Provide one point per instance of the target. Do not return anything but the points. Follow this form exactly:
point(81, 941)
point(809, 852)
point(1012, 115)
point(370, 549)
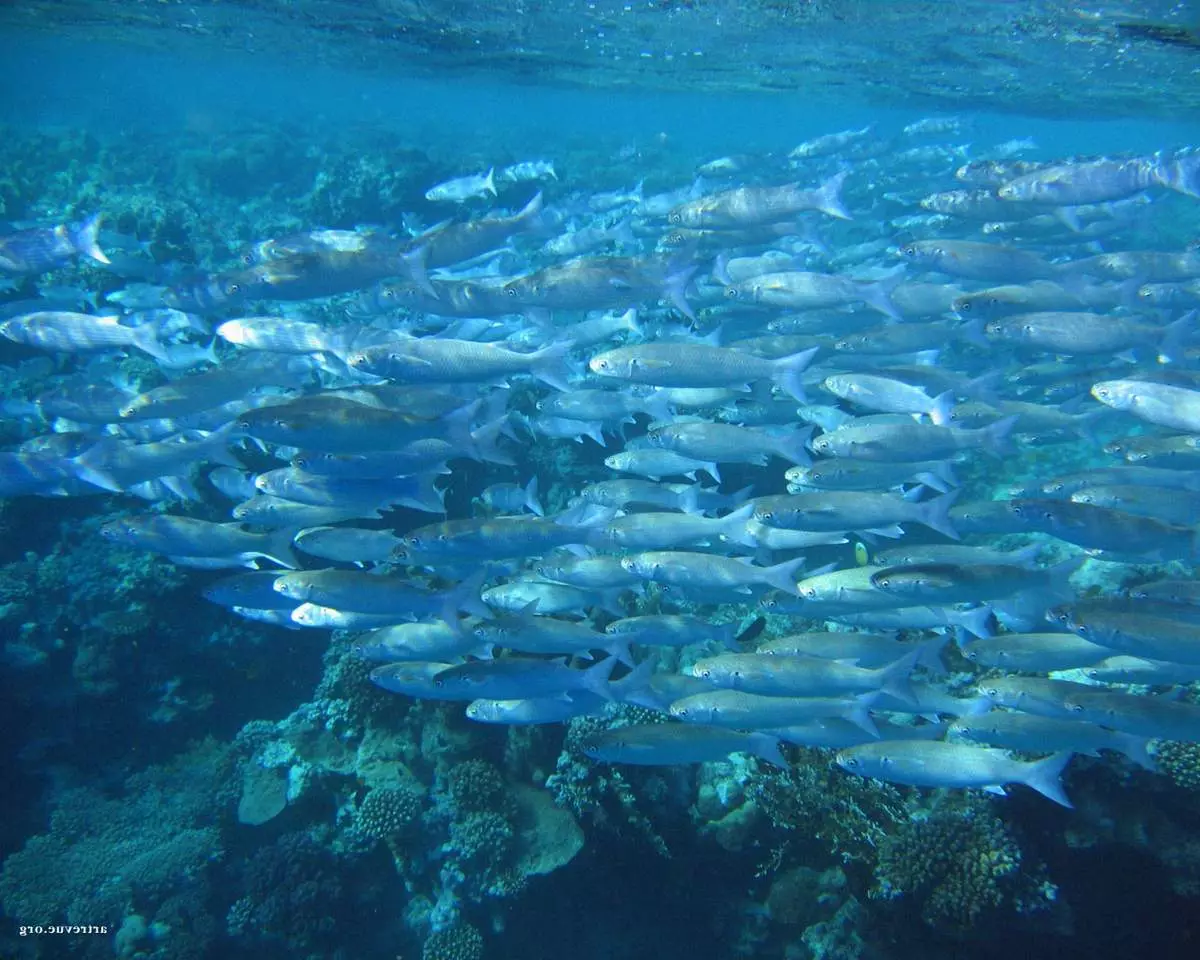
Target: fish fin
point(878, 295)
point(894, 677)
point(675, 289)
point(595, 678)
point(766, 747)
point(619, 650)
point(935, 514)
point(550, 365)
point(1043, 776)
point(782, 576)
point(84, 238)
point(828, 197)
point(1135, 748)
point(489, 182)
point(465, 597)
point(859, 713)
point(532, 504)
point(943, 405)
point(995, 436)
point(414, 262)
point(789, 373)
point(279, 548)
point(733, 525)
point(793, 446)
point(483, 443)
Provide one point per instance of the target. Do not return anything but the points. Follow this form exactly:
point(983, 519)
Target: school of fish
point(887, 339)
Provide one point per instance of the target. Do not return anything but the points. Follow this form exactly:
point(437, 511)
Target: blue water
point(182, 783)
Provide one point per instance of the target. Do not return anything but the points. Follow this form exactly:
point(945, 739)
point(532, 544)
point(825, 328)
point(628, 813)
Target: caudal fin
point(789, 372)
point(782, 576)
point(766, 747)
point(85, 239)
point(828, 197)
point(935, 514)
point(1043, 776)
point(551, 366)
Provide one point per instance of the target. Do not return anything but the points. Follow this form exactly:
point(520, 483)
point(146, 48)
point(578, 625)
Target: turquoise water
point(185, 782)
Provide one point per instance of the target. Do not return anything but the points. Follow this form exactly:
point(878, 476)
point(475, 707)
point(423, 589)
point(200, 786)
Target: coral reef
point(960, 863)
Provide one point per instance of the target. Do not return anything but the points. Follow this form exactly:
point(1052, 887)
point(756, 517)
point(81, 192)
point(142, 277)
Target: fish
point(513, 678)
point(700, 365)
point(937, 764)
point(461, 189)
point(188, 537)
point(800, 676)
point(38, 249)
point(670, 744)
point(738, 709)
point(1032, 734)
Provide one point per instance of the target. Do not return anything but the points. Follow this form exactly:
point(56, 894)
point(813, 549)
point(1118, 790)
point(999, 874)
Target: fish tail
point(766, 747)
point(145, 338)
point(995, 436)
point(675, 289)
point(636, 679)
point(720, 271)
point(930, 654)
point(618, 649)
point(733, 525)
point(532, 504)
point(1176, 336)
point(279, 548)
point(483, 443)
point(943, 405)
point(1043, 776)
point(878, 295)
point(489, 182)
point(793, 446)
point(782, 576)
point(1181, 173)
point(893, 679)
point(596, 678)
point(828, 197)
point(465, 597)
point(1135, 748)
point(532, 210)
point(414, 263)
point(789, 373)
point(551, 365)
point(935, 514)
point(859, 713)
point(85, 238)
point(629, 321)
point(977, 622)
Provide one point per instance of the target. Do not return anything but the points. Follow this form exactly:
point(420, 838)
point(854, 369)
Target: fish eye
point(1027, 328)
point(248, 259)
point(964, 307)
point(233, 288)
point(1075, 707)
point(991, 692)
point(676, 218)
point(731, 293)
point(511, 291)
point(848, 762)
point(909, 251)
